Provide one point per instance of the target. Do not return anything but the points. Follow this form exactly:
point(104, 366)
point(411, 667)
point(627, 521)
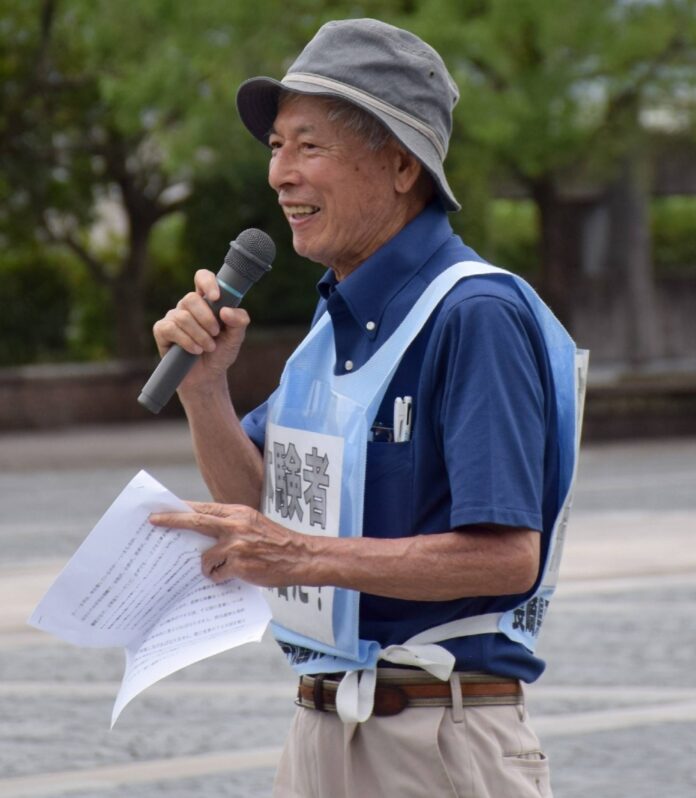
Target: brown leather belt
point(396, 692)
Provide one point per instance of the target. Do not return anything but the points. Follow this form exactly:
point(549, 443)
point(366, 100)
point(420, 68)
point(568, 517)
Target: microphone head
point(251, 254)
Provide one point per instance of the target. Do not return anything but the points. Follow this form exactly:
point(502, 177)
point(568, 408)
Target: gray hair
point(351, 117)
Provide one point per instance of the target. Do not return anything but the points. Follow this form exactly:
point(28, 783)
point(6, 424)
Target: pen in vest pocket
point(403, 412)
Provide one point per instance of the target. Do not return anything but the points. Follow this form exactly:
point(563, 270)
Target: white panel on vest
point(302, 491)
point(302, 485)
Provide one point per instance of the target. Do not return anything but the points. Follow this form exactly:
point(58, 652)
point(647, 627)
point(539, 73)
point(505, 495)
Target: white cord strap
point(355, 696)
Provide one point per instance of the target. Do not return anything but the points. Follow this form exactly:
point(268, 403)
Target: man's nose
point(282, 170)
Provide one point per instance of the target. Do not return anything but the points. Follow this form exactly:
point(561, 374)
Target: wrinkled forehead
point(302, 112)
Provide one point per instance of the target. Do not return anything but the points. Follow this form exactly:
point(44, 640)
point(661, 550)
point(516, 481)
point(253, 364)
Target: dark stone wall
point(622, 405)
point(33, 397)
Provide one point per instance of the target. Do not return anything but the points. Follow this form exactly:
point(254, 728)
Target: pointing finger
point(197, 522)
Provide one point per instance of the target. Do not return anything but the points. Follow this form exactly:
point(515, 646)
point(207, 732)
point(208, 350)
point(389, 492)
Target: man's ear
point(407, 170)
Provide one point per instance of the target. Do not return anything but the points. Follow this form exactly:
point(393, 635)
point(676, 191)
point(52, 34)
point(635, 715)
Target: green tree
point(127, 109)
point(116, 110)
point(553, 94)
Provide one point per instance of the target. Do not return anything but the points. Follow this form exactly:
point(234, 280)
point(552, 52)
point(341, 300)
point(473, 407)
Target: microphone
point(249, 258)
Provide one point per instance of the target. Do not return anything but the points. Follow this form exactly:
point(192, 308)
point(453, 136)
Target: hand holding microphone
point(249, 258)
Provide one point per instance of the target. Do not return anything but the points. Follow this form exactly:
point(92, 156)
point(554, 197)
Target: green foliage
point(548, 86)
point(90, 334)
point(135, 101)
point(514, 237)
point(170, 275)
point(35, 308)
point(674, 241)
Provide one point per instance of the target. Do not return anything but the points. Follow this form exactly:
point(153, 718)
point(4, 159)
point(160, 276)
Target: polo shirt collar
point(369, 289)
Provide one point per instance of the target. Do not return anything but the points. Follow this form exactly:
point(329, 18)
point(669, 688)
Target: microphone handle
point(177, 362)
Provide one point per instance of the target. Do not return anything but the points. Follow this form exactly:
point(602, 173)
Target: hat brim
point(257, 104)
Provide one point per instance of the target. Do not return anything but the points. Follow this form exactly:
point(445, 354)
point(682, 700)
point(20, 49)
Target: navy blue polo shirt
point(482, 449)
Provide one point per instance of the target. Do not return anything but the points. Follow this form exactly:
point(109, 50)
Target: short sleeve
point(254, 424)
point(492, 414)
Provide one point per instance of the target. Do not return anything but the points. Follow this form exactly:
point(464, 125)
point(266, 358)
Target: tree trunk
point(631, 260)
point(556, 261)
point(132, 339)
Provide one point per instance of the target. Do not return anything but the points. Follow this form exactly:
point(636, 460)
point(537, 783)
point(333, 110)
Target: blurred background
point(123, 168)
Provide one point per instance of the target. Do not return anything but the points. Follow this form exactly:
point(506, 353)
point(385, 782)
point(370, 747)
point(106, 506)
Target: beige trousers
point(424, 752)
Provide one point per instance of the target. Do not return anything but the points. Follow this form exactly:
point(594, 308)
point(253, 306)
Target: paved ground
point(616, 709)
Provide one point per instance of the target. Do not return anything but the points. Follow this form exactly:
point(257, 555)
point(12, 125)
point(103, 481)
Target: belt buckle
point(389, 700)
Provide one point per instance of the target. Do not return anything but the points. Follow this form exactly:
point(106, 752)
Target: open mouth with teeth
point(297, 212)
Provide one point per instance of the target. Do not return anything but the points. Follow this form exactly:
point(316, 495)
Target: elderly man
point(400, 493)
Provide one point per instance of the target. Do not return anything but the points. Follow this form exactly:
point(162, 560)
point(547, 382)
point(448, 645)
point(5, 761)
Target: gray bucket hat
point(386, 71)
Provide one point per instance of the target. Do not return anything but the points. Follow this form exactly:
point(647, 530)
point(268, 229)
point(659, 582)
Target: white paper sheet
point(134, 585)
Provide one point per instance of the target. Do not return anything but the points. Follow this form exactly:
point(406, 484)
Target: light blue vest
point(315, 453)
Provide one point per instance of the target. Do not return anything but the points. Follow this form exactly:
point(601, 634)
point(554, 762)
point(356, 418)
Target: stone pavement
point(616, 709)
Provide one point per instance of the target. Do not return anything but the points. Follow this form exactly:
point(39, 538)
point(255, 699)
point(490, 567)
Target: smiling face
point(343, 200)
